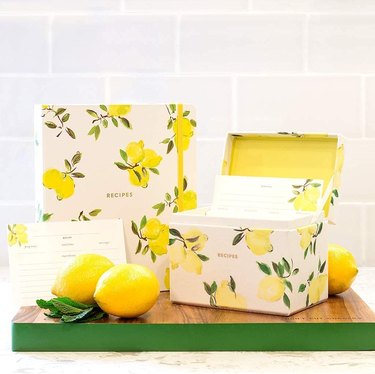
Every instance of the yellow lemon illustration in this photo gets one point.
(306, 233)
(312, 193)
(303, 203)
(118, 110)
(77, 279)
(65, 189)
(259, 241)
(167, 278)
(192, 263)
(271, 288)
(127, 290)
(151, 159)
(189, 200)
(139, 176)
(195, 240)
(225, 297)
(159, 245)
(12, 239)
(317, 287)
(177, 255)
(152, 228)
(342, 269)
(18, 234)
(52, 178)
(135, 151)
(187, 132)
(45, 106)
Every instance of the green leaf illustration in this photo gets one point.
(77, 175)
(207, 288)
(175, 232)
(321, 268)
(95, 212)
(335, 192)
(286, 265)
(172, 107)
(213, 287)
(97, 132)
(103, 107)
(193, 123)
(186, 113)
(121, 166)
(65, 117)
(114, 121)
(295, 271)
(286, 300)
(139, 247)
(50, 124)
(46, 216)
(203, 257)
(67, 165)
(134, 228)
(232, 284)
(302, 287)
(124, 155)
(125, 122)
(311, 277)
(289, 285)
(143, 222)
(265, 268)
(59, 111)
(76, 158)
(153, 256)
(238, 238)
(92, 113)
(170, 146)
(154, 170)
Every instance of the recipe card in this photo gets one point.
(38, 250)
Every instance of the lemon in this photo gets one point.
(189, 200)
(52, 178)
(271, 288)
(177, 255)
(127, 290)
(306, 233)
(187, 132)
(342, 269)
(135, 151)
(167, 279)
(118, 110)
(152, 228)
(312, 193)
(225, 297)
(192, 263)
(303, 203)
(78, 277)
(195, 240)
(317, 287)
(151, 159)
(159, 245)
(141, 178)
(258, 241)
(65, 189)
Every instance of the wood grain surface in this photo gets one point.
(347, 307)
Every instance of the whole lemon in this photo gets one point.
(135, 152)
(195, 240)
(118, 110)
(192, 263)
(65, 188)
(127, 290)
(52, 178)
(271, 288)
(225, 297)
(317, 287)
(139, 176)
(342, 269)
(78, 277)
(151, 159)
(189, 200)
(259, 241)
(160, 245)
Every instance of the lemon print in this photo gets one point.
(307, 234)
(187, 132)
(189, 200)
(139, 176)
(127, 290)
(151, 159)
(167, 283)
(317, 287)
(312, 193)
(258, 241)
(177, 255)
(45, 106)
(12, 239)
(195, 240)
(271, 288)
(159, 245)
(65, 189)
(152, 228)
(17, 234)
(77, 279)
(342, 269)
(192, 263)
(225, 297)
(307, 200)
(135, 151)
(52, 178)
(118, 110)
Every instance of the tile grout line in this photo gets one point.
(50, 43)
(363, 97)
(107, 89)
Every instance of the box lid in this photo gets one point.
(288, 155)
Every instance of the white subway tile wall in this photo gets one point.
(257, 65)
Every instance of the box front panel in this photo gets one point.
(266, 271)
(119, 161)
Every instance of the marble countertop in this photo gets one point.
(183, 362)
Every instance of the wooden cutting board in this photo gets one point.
(343, 322)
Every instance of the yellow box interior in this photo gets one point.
(283, 156)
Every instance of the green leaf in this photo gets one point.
(286, 265)
(172, 107)
(134, 228)
(170, 146)
(67, 165)
(103, 107)
(59, 111)
(289, 285)
(95, 212)
(207, 288)
(315, 184)
(203, 257)
(95, 315)
(314, 247)
(165, 141)
(292, 199)
(76, 158)
(302, 287)
(307, 300)
(193, 123)
(275, 267)
(65, 117)
(297, 186)
(320, 228)
(139, 247)
(335, 192)
(176, 191)
(114, 121)
(305, 254)
(92, 113)
(153, 256)
(105, 123)
(175, 209)
(172, 241)
(232, 284)
(295, 271)
(46, 216)
(213, 287)
(175, 232)
(124, 155)
(168, 197)
(154, 170)
(311, 277)
(97, 132)
(286, 300)
(295, 192)
(265, 268)
(143, 222)
(137, 175)
(185, 184)
(121, 166)
(65, 308)
(125, 122)
(145, 249)
(77, 175)
(186, 113)
(170, 124)
(321, 268)
(85, 218)
(160, 210)
(92, 130)
(50, 124)
(192, 240)
(76, 317)
(238, 238)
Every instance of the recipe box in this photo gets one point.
(135, 162)
(262, 244)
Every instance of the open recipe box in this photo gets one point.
(262, 245)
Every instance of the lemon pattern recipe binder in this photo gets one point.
(135, 162)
